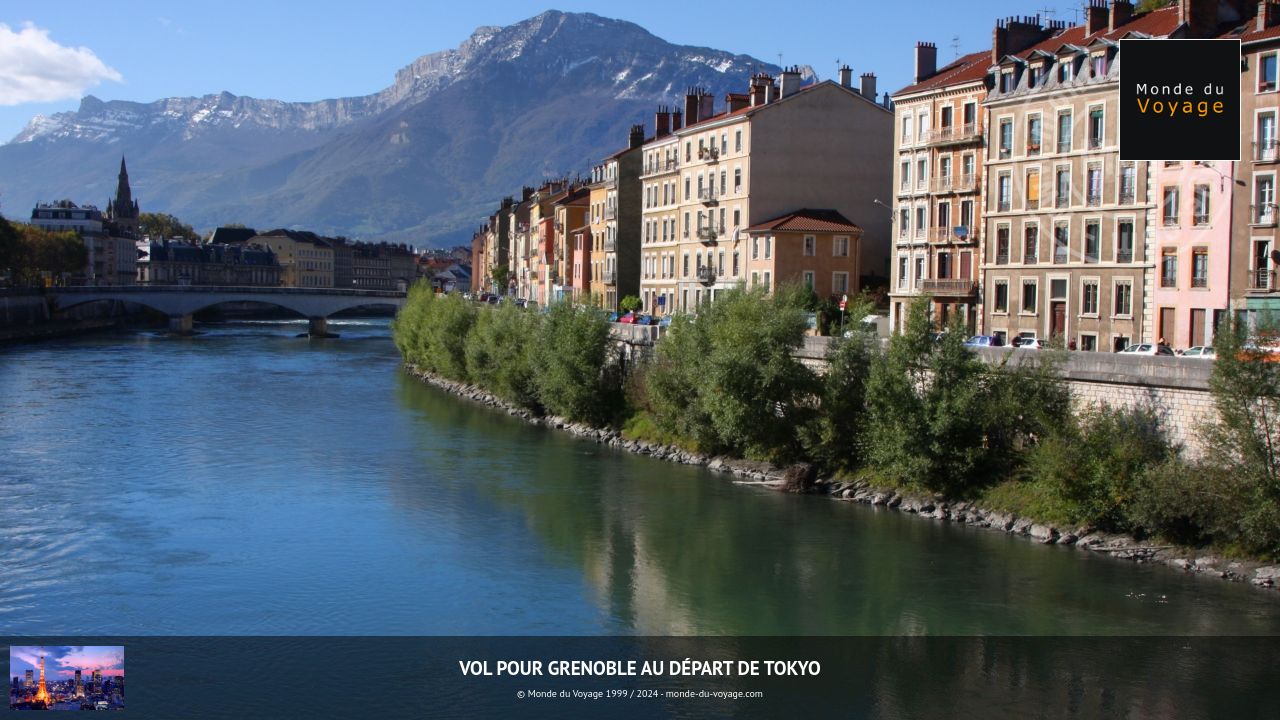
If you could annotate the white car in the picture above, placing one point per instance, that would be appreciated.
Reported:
(1148, 349)
(1205, 352)
(1029, 343)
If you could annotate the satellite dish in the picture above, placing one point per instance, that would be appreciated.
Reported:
(961, 231)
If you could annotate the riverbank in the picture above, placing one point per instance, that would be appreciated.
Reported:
(1189, 560)
(55, 329)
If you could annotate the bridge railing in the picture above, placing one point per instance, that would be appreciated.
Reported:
(236, 289)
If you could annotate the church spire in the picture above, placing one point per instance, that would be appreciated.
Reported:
(123, 209)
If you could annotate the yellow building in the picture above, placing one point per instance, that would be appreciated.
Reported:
(305, 259)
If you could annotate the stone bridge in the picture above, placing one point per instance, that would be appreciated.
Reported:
(180, 302)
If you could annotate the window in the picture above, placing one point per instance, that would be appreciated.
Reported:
(1168, 268)
(1088, 342)
(840, 246)
(810, 245)
(944, 170)
(906, 129)
(1128, 183)
(902, 272)
(966, 215)
(1002, 245)
(1124, 298)
(1006, 81)
(1064, 71)
(970, 116)
(1200, 268)
(1267, 72)
(1096, 132)
(1124, 241)
(1062, 193)
(1032, 200)
(686, 264)
(1033, 75)
(1092, 240)
(1099, 63)
(686, 187)
(735, 263)
(766, 281)
(1093, 185)
(1089, 297)
(1004, 190)
(922, 173)
(904, 222)
(919, 269)
(768, 247)
(839, 283)
(1202, 205)
(1031, 244)
(1170, 206)
(737, 180)
(1265, 200)
(737, 141)
(1029, 290)
(737, 217)
(944, 217)
(1006, 138)
(1033, 135)
(808, 279)
(1002, 296)
(1064, 132)
(1061, 243)
(905, 182)
(944, 266)
(922, 221)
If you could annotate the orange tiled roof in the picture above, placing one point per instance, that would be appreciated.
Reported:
(807, 220)
(964, 69)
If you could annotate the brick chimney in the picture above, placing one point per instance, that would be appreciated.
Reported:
(1200, 17)
(1268, 15)
(789, 81)
(868, 87)
(1096, 16)
(692, 105)
(759, 82)
(736, 101)
(636, 138)
(926, 60)
(677, 120)
(846, 76)
(1015, 34)
(706, 104)
(662, 122)
(770, 92)
(1121, 11)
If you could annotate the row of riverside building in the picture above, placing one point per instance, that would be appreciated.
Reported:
(775, 183)
(992, 183)
(1015, 212)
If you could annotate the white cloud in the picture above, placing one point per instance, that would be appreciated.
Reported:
(34, 68)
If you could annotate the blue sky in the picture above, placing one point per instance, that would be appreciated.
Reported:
(52, 53)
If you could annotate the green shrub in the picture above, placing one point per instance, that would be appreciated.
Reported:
(836, 437)
(410, 322)
(499, 352)
(569, 364)
(1097, 464)
(446, 321)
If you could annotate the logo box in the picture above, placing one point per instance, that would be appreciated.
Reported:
(1179, 99)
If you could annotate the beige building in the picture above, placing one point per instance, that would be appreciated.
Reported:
(305, 259)
(776, 149)
(937, 179)
(593, 274)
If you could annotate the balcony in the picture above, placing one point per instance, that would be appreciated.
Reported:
(948, 235)
(1095, 143)
(710, 154)
(1060, 256)
(609, 277)
(1061, 201)
(1261, 280)
(610, 212)
(1263, 214)
(1199, 281)
(610, 244)
(1093, 200)
(708, 196)
(1126, 196)
(1005, 153)
(1064, 146)
(951, 288)
(1030, 256)
(1033, 149)
(1032, 203)
(1003, 205)
(1002, 258)
(709, 233)
(1124, 255)
(1265, 152)
(1200, 219)
(706, 274)
(953, 135)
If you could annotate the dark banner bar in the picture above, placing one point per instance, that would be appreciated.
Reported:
(648, 677)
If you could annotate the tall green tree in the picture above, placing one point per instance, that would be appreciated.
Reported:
(164, 226)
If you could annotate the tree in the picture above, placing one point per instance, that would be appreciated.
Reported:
(837, 436)
(630, 303)
(501, 276)
(569, 364)
(162, 225)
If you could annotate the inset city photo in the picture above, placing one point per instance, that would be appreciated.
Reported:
(66, 677)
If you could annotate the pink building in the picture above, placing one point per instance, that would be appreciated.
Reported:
(581, 267)
(1191, 250)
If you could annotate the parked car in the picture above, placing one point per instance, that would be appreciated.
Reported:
(614, 317)
(664, 321)
(984, 341)
(645, 320)
(521, 302)
(494, 299)
(1148, 349)
(1205, 352)
(1028, 343)
(628, 319)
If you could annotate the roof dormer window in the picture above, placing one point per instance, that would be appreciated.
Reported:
(1098, 64)
(1006, 81)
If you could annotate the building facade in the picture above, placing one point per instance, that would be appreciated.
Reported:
(306, 260)
(171, 262)
(937, 176)
(817, 248)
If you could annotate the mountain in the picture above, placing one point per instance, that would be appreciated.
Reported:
(421, 161)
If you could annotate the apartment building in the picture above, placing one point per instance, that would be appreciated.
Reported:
(937, 179)
(595, 235)
(622, 219)
(1255, 252)
(659, 180)
(774, 150)
(570, 210)
(518, 244)
(305, 259)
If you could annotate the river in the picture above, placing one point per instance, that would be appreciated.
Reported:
(249, 482)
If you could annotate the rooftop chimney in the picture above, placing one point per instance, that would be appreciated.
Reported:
(1200, 17)
(868, 88)
(736, 101)
(706, 104)
(1121, 11)
(1015, 34)
(1268, 14)
(770, 92)
(926, 60)
(662, 122)
(846, 76)
(1095, 16)
(636, 138)
(759, 82)
(677, 120)
(790, 81)
(692, 104)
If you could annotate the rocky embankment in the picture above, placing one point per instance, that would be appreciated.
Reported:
(803, 478)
